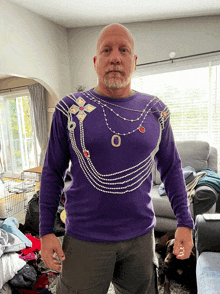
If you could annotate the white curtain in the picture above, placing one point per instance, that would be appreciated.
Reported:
(39, 109)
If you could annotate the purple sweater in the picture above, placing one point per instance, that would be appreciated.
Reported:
(112, 145)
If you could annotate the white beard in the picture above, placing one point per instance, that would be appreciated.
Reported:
(116, 82)
(113, 85)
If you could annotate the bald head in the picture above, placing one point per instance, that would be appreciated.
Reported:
(115, 61)
(114, 30)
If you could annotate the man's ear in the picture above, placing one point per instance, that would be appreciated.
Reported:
(94, 60)
(135, 61)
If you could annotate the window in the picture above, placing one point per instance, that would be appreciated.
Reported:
(193, 97)
(17, 135)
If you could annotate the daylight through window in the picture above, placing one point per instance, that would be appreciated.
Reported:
(17, 134)
(193, 97)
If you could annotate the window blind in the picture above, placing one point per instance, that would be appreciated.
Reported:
(193, 97)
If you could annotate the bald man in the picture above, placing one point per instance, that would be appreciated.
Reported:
(112, 135)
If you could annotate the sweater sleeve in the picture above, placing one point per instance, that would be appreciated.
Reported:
(169, 166)
(55, 165)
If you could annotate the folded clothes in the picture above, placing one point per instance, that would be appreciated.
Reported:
(10, 226)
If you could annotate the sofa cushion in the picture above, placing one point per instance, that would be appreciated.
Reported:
(208, 273)
(164, 224)
(194, 153)
(161, 204)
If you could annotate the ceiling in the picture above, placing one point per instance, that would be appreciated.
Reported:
(79, 13)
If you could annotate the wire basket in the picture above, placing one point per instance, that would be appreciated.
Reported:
(15, 194)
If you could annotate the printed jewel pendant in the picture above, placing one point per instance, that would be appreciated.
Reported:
(86, 153)
(164, 113)
(71, 125)
(142, 129)
(116, 140)
(81, 109)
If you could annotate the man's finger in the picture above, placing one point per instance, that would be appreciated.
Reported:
(176, 248)
(187, 252)
(53, 264)
(60, 254)
(184, 254)
(56, 267)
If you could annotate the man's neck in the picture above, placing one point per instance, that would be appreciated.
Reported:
(113, 92)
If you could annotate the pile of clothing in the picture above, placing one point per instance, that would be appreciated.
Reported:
(195, 179)
(203, 189)
(22, 271)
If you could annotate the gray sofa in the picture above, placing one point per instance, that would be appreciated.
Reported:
(207, 236)
(199, 155)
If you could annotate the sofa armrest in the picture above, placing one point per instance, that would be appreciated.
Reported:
(207, 235)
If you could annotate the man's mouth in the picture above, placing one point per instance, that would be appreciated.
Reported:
(113, 71)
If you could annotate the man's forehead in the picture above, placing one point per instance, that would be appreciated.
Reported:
(114, 40)
(111, 38)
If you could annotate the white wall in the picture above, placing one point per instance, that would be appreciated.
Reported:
(153, 42)
(35, 48)
(82, 45)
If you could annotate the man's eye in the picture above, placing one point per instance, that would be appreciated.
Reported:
(106, 50)
(124, 50)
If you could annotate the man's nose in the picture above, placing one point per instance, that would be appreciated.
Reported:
(115, 57)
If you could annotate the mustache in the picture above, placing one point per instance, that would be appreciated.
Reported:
(115, 68)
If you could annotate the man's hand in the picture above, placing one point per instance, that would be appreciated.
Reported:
(50, 244)
(183, 243)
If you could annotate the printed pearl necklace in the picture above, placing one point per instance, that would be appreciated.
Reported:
(116, 139)
(132, 177)
(103, 183)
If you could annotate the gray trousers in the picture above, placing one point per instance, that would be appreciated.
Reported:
(89, 267)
